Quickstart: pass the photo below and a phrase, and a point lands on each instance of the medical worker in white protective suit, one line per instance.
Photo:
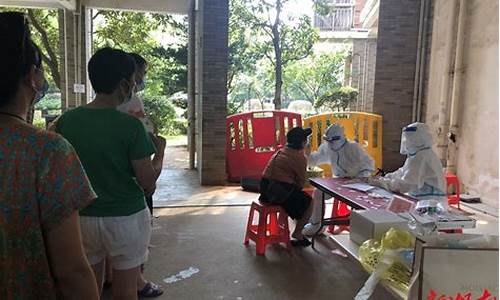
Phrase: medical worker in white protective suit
(347, 159)
(422, 174)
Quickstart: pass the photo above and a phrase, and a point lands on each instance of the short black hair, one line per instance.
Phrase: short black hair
(139, 60)
(18, 53)
(107, 67)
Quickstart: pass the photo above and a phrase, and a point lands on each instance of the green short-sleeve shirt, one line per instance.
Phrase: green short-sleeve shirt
(106, 141)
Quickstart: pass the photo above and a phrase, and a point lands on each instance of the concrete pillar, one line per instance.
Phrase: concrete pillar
(398, 30)
(211, 62)
(73, 46)
(192, 86)
(363, 72)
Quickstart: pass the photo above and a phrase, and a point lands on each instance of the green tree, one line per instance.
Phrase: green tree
(134, 32)
(167, 66)
(258, 84)
(161, 112)
(314, 76)
(242, 56)
(281, 40)
(130, 31)
(338, 99)
(45, 33)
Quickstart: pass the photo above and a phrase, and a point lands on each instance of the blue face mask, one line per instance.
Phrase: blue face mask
(140, 86)
(41, 93)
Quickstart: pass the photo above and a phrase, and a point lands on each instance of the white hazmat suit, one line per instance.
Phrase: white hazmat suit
(422, 174)
(347, 159)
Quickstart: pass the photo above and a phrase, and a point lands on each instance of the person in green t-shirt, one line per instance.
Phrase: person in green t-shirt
(115, 151)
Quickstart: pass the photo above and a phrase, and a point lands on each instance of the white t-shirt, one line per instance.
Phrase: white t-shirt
(135, 107)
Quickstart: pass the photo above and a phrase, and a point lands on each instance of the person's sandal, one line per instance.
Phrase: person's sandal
(150, 290)
(301, 243)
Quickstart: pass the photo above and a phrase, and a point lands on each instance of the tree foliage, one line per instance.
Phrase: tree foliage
(242, 55)
(161, 112)
(258, 84)
(337, 100)
(134, 32)
(129, 31)
(167, 66)
(279, 39)
(45, 33)
(315, 76)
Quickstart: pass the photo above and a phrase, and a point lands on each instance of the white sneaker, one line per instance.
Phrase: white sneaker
(311, 229)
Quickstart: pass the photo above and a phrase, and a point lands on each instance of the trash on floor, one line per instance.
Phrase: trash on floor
(339, 253)
(182, 275)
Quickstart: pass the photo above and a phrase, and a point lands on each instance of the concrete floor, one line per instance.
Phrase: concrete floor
(209, 239)
(199, 234)
(178, 186)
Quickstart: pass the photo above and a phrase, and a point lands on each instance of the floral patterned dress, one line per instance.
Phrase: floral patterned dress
(41, 183)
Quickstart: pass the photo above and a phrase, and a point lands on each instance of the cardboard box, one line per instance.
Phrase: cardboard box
(444, 268)
(373, 224)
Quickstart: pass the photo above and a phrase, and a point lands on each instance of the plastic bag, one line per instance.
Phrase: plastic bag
(369, 254)
(398, 239)
(388, 259)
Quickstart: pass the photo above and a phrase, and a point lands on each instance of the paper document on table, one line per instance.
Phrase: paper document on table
(381, 193)
(359, 187)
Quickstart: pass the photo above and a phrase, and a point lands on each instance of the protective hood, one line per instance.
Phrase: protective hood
(415, 137)
(349, 160)
(334, 135)
(422, 173)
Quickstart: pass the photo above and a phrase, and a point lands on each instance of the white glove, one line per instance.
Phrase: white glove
(379, 181)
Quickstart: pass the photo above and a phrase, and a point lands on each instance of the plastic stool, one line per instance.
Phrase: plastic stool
(309, 191)
(272, 227)
(339, 210)
(452, 181)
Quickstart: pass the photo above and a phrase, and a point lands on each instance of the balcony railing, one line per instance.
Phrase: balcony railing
(340, 19)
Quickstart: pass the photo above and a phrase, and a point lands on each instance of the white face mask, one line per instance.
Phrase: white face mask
(39, 94)
(337, 144)
(129, 94)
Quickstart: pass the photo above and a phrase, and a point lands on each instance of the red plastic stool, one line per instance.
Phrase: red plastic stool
(339, 210)
(272, 227)
(309, 191)
(452, 181)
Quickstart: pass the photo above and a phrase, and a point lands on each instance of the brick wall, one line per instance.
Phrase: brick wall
(364, 56)
(74, 65)
(358, 7)
(211, 63)
(395, 72)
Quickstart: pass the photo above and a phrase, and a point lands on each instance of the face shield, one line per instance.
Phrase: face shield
(415, 137)
(334, 135)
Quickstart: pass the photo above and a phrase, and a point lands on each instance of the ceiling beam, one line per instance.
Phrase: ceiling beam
(67, 4)
(165, 6)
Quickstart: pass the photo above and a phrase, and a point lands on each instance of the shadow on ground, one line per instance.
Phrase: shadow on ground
(210, 240)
